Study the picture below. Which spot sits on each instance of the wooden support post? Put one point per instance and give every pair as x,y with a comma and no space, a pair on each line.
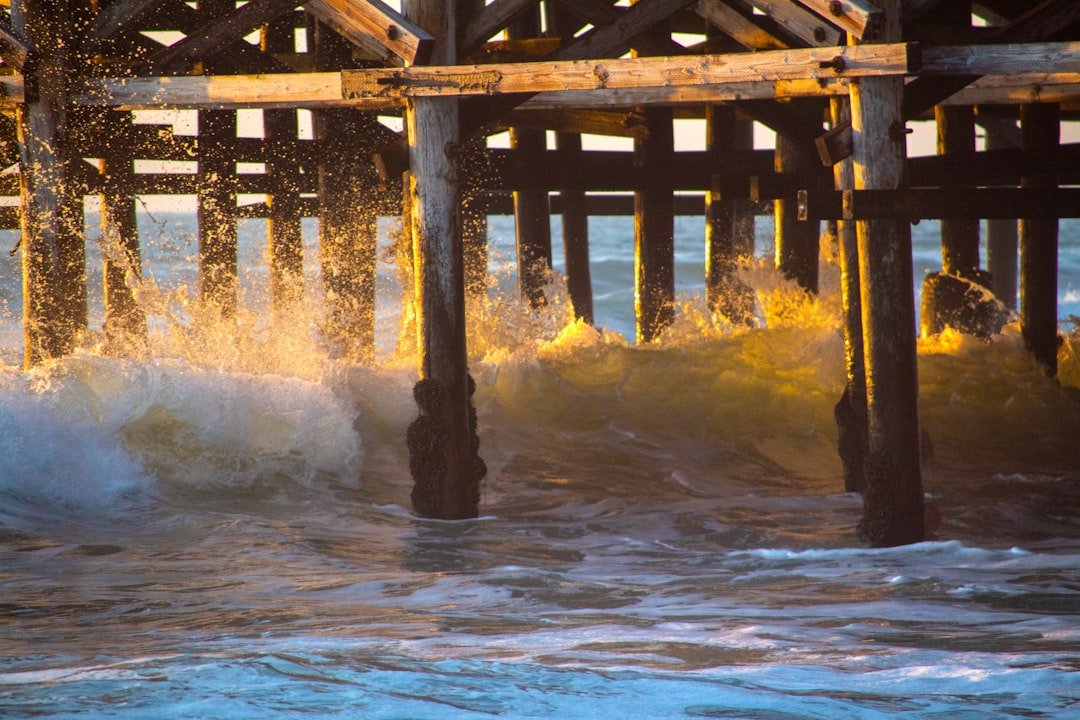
286,240
1040,130
745,219
797,241
474,226
532,218
53,248
573,211
575,230
654,220
348,236
959,237
443,445
654,228
850,411
724,294
1002,239
217,212
125,321
893,510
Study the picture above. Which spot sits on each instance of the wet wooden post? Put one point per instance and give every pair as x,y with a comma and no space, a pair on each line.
474,221
53,247
1039,130
574,215
654,227
125,321
217,211
724,293
443,446
654,221
959,237
575,230
1002,238
797,241
348,234
893,502
745,219
216,191
532,215
850,411
284,228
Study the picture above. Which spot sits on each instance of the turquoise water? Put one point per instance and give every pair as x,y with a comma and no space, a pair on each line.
223,530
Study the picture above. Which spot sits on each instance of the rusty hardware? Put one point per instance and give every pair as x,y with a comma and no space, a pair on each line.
836,7
837,63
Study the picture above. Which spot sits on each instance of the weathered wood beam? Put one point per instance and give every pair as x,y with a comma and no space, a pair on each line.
909,204
492,19
857,17
376,27
738,26
1002,59
594,122
800,22
626,73
215,35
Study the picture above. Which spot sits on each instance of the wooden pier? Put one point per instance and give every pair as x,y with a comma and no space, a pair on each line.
838,81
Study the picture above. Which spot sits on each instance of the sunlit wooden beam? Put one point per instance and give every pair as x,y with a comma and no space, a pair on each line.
376,27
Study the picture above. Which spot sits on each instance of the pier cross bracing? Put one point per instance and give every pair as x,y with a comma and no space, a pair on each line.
839,81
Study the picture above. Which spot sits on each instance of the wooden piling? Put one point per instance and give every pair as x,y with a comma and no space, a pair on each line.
724,293
959,237
893,503
474,222
797,241
125,320
532,216
348,235
443,447
575,230
1039,130
654,228
1002,238
850,411
216,212
53,247
283,226
745,219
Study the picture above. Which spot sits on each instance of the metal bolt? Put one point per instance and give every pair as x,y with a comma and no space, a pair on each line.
393,33
819,34
836,7
837,63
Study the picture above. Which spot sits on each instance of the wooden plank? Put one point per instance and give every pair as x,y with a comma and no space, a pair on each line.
910,204
1002,59
627,73
856,17
215,35
739,27
595,122
491,20
1018,89
322,89
13,50
800,22
688,95
375,26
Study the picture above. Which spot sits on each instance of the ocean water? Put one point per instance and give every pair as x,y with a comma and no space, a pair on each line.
222,529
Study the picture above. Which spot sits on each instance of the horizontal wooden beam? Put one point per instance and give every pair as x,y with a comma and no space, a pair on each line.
629,73
924,204
220,91
1002,59
376,27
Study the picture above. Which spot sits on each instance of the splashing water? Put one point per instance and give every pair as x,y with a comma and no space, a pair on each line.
221,529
